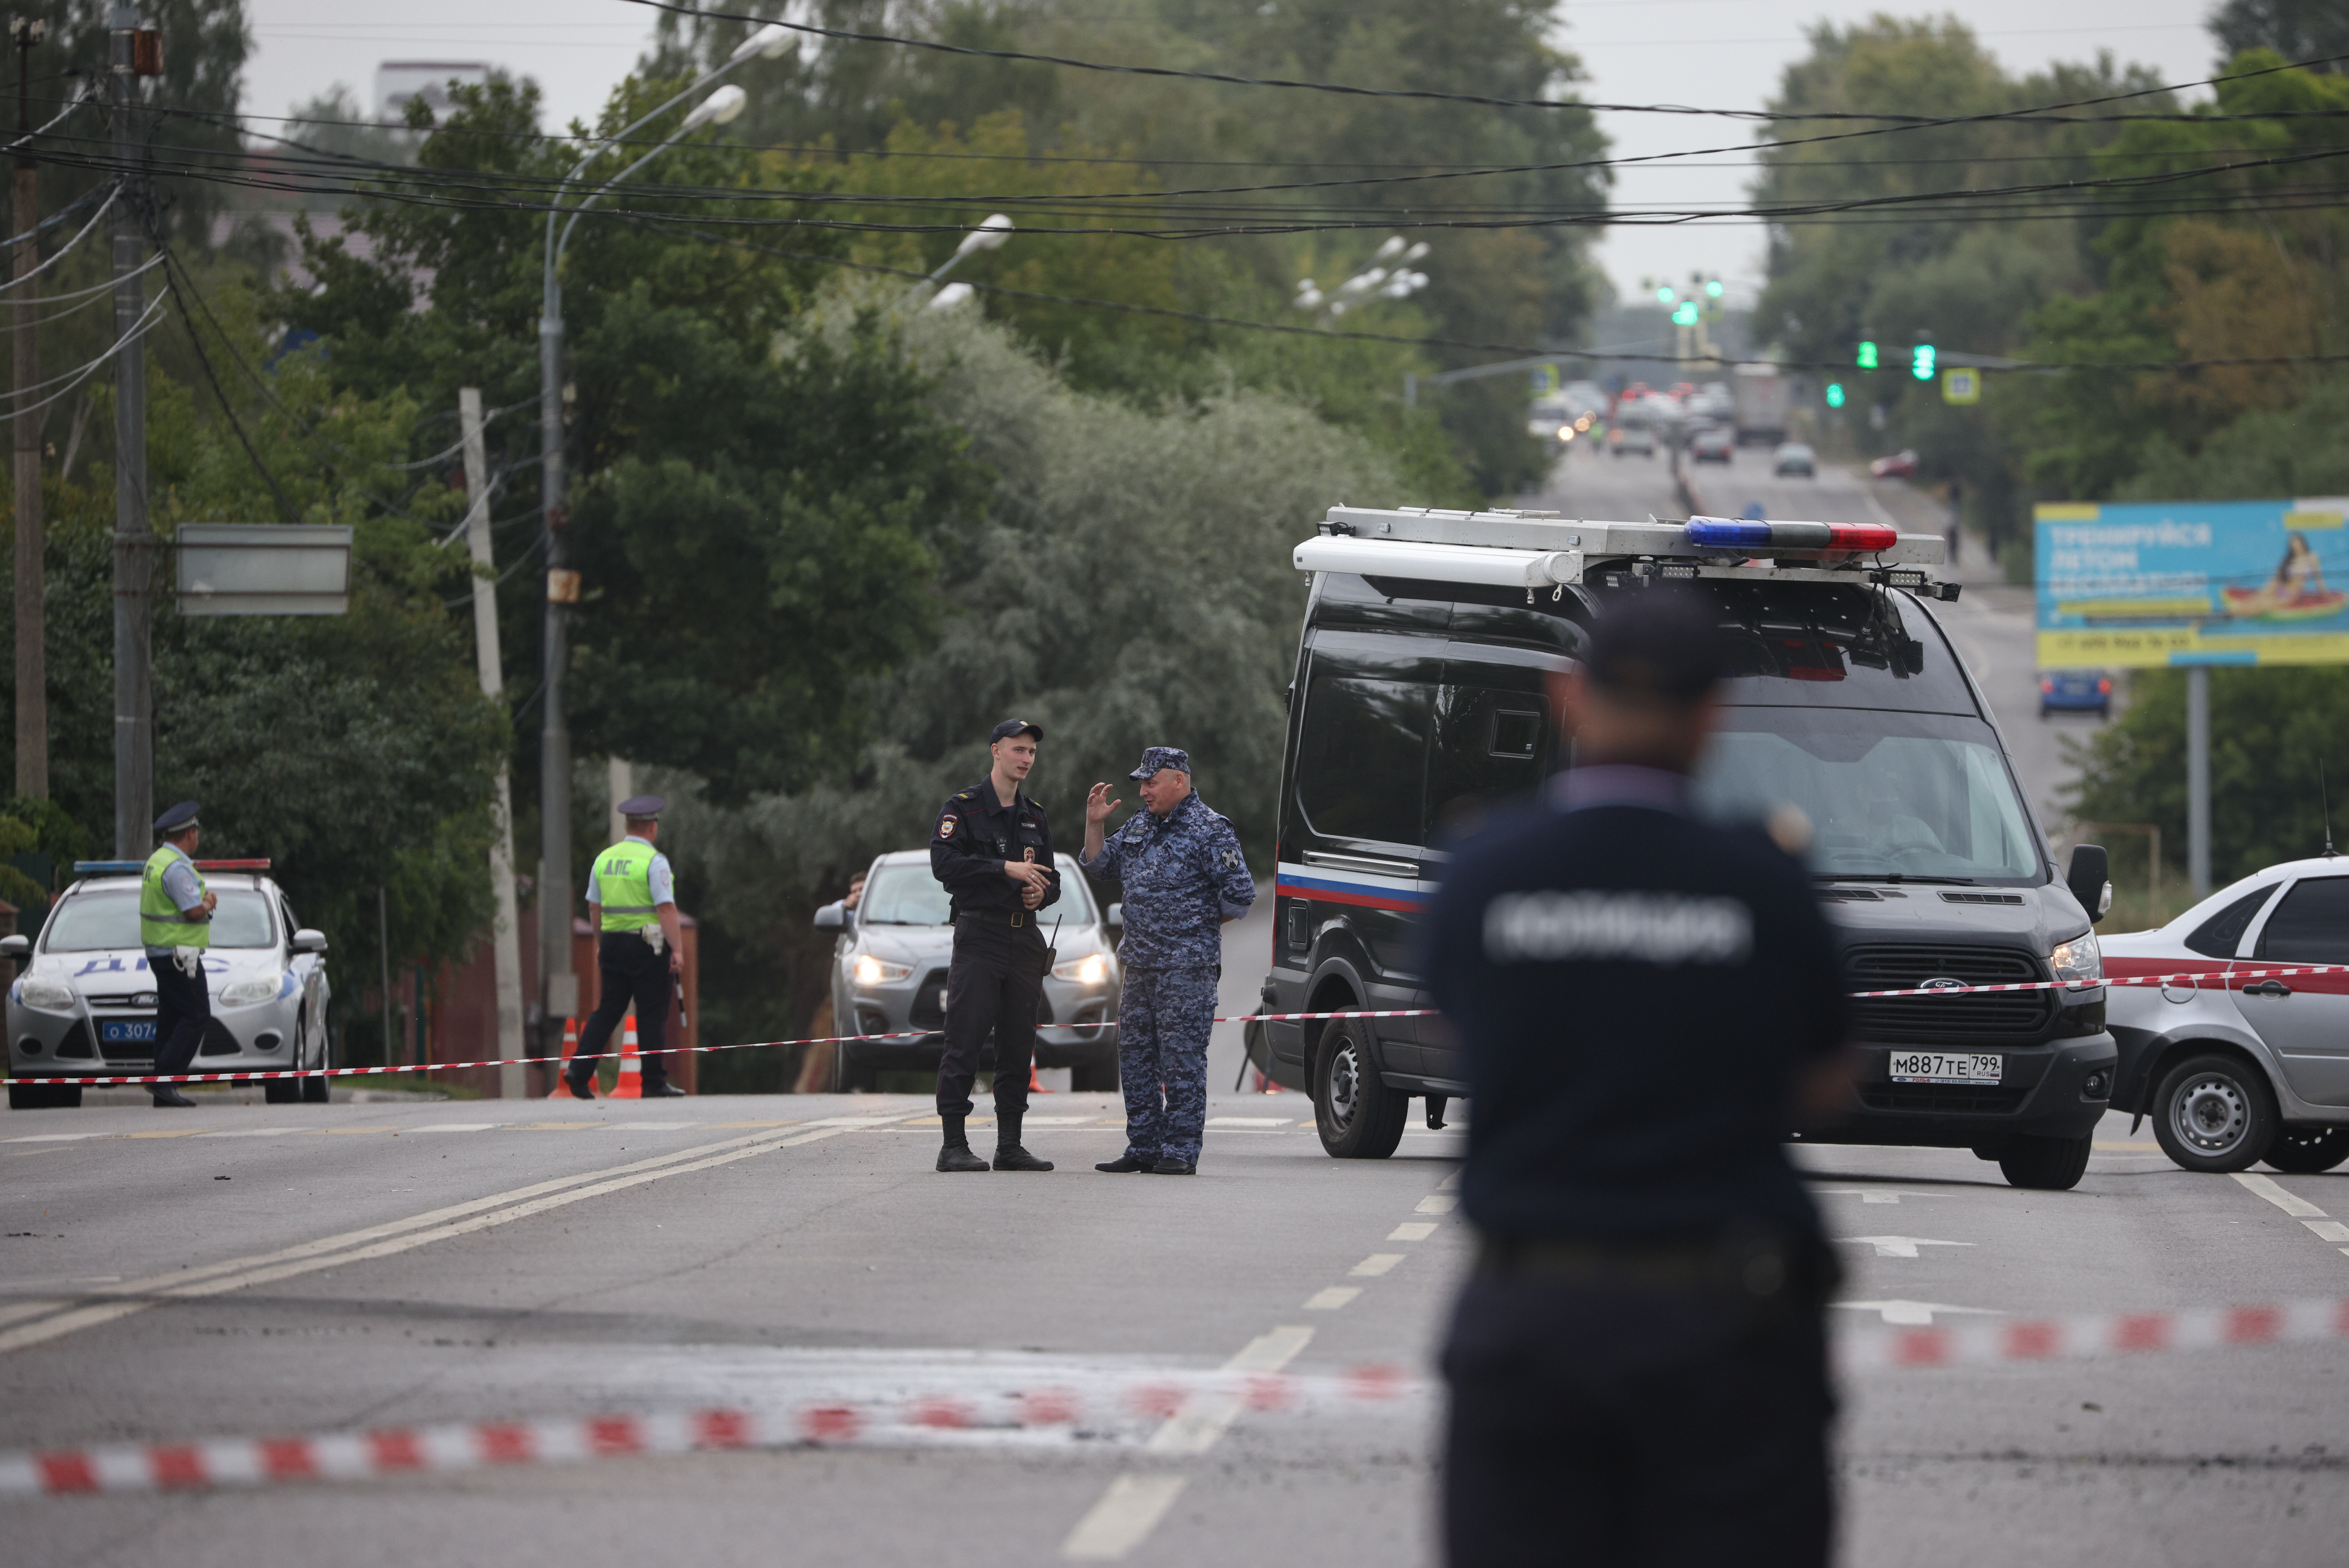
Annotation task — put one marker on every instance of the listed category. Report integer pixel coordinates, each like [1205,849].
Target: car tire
[850,1075]
[1095,1077]
[283,1090]
[2046,1164]
[2214,1114]
[2304,1151]
[39,1096]
[1358,1117]
[317,1089]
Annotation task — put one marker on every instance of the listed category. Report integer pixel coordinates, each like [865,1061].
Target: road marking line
[1411,1231]
[346,1132]
[255,1132]
[1249,1121]
[786,1122]
[1205,1418]
[1330,1298]
[51,1138]
[2298,1208]
[1867,1194]
[454,1126]
[391,1237]
[1376,1263]
[1898,1246]
[15,1311]
[1449,1184]
[1123,1518]
[646,1126]
[2330,1229]
[1434,1204]
[565,1127]
[1914,1315]
[187,1132]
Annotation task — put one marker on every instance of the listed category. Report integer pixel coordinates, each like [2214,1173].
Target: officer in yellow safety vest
[634,895]
[175,924]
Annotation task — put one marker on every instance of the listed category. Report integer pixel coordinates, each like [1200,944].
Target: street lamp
[561,987]
[992,231]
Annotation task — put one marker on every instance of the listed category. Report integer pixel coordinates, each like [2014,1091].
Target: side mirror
[306,941]
[1115,917]
[831,917]
[2089,880]
[19,948]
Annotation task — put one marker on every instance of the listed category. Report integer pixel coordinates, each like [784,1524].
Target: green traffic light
[1835,394]
[1664,296]
[1921,362]
[1866,358]
[1685,316]
[1713,288]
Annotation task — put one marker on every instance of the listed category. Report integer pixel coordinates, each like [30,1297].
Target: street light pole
[559,984]
[134,539]
[32,653]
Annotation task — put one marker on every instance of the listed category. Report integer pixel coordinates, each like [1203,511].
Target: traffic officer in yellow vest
[638,953]
[175,923]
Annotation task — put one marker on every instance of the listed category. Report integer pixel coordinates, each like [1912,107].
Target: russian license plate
[125,1031]
[1948,1067]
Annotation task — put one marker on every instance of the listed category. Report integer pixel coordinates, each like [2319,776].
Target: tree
[2295,29]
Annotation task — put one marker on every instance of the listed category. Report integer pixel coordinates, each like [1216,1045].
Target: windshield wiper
[1891,876]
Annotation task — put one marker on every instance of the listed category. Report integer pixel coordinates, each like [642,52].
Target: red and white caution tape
[2020,1339]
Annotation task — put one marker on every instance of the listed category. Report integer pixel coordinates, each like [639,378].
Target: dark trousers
[1610,1422]
[183,1006]
[631,975]
[992,987]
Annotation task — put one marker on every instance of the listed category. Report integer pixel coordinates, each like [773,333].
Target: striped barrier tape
[979,1411]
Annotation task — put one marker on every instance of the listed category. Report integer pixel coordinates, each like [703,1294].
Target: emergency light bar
[1785,539]
[132,867]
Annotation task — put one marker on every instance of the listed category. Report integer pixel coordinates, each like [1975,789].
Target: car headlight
[871,970]
[245,992]
[1091,970]
[45,994]
[2078,959]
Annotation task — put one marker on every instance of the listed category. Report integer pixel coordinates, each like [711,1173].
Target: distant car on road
[1713,444]
[83,1005]
[2075,691]
[1900,466]
[1794,457]
[1625,440]
[889,977]
[2230,1066]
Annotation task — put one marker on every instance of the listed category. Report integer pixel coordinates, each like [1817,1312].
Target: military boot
[955,1155]
[1009,1155]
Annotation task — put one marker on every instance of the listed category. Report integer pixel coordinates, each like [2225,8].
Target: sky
[1725,54]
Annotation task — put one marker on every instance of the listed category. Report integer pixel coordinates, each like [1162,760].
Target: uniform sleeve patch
[947,826]
[1231,859]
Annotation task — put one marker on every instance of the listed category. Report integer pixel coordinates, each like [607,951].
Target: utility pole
[134,538]
[559,983]
[32,636]
[506,941]
[2198,779]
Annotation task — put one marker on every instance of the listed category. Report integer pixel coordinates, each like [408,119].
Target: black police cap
[641,807]
[179,818]
[1010,727]
[1662,643]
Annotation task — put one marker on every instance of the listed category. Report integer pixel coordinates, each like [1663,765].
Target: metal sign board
[2193,582]
[263,568]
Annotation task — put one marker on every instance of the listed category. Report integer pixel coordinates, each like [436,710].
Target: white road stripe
[2330,1229]
[2290,1203]
[1898,1246]
[1205,1418]
[1123,1518]
[1434,1204]
[1330,1298]
[1376,1263]
[1411,1231]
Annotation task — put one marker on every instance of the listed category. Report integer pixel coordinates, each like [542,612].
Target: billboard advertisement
[2193,582]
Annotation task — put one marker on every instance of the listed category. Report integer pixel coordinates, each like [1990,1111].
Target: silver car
[84,1006]
[889,976]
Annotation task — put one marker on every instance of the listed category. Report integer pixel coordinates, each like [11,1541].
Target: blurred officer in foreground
[1184,877]
[993,850]
[639,952]
[175,923]
[1648,1003]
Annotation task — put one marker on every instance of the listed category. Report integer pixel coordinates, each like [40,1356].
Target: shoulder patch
[1231,859]
[947,826]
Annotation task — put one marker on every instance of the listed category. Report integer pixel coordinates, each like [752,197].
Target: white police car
[83,1005]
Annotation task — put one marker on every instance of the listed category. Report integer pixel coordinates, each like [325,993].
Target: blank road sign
[263,568]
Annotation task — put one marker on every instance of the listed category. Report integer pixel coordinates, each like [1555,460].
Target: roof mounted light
[1789,538]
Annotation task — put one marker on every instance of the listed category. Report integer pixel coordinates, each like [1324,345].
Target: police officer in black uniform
[993,850]
[1647,1002]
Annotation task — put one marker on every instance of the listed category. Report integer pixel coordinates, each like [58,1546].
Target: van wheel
[2046,1164]
[2214,1114]
[2304,1151]
[1358,1117]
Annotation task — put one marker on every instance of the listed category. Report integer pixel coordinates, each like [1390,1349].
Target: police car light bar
[1481,564]
[1790,538]
[132,867]
[231,865]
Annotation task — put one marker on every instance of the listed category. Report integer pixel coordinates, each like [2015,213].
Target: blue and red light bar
[1789,538]
[131,868]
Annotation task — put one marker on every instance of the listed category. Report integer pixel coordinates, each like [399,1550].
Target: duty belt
[1755,1265]
[1014,919]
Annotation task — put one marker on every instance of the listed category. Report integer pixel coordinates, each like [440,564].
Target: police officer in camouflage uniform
[1184,876]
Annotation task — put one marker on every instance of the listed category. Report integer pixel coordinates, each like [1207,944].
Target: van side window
[2312,924]
[1361,758]
[1491,746]
[2218,936]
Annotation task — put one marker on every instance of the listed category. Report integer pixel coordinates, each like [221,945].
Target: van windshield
[1889,795]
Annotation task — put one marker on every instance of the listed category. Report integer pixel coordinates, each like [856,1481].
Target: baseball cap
[1010,727]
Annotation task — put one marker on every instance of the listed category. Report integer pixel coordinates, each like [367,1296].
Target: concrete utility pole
[134,539]
[32,636]
[2198,779]
[506,942]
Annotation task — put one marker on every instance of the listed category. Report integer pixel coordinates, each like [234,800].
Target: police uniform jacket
[976,835]
[1182,874]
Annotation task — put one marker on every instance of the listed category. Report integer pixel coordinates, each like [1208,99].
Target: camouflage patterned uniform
[1182,874]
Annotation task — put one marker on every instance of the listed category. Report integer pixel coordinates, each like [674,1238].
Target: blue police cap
[1158,757]
[1010,727]
[637,807]
[179,818]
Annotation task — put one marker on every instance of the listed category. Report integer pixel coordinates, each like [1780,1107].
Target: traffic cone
[1034,1086]
[561,1090]
[631,1085]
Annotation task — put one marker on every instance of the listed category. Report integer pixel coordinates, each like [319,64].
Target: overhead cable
[112,193]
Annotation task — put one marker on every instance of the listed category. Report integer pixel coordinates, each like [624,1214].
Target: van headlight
[50,995]
[2078,959]
[246,993]
[871,970]
[1091,970]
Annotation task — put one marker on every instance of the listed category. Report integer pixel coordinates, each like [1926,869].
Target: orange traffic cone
[561,1090]
[1034,1086]
[631,1085]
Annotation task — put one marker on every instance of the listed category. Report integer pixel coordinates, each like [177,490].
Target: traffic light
[1685,313]
[1664,294]
[1835,394]
[1921,361]
[1865,359]
[1713,288]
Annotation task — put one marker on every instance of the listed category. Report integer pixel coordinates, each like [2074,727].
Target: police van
[1418,703]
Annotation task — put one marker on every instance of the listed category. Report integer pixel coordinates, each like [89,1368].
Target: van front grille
[2012,1015]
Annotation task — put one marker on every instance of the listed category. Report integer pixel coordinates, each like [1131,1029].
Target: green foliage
[35,833]
[2295,29]
[2295,450]
[2269,728]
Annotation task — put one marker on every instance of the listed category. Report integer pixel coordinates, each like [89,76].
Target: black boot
[165,1094]
[955,1155]
[1009,1155]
